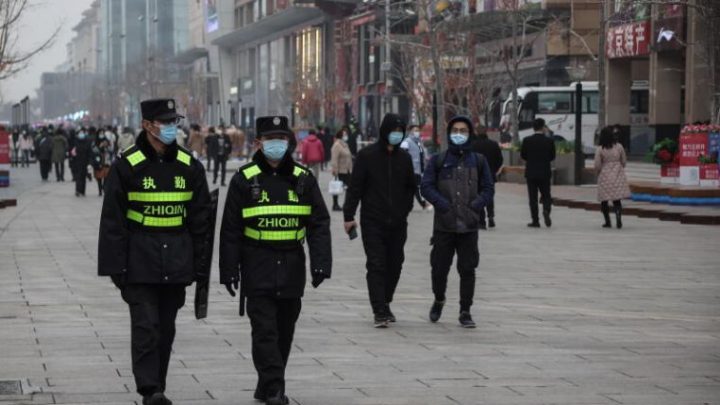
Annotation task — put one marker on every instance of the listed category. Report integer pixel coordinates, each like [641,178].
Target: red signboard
[628,40]
[709,172]
[669,170]
[4,147]
[691,147]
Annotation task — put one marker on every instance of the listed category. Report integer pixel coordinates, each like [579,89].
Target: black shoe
[546,217]
[482,226]
[277,399]
[491,222]
[337,208]
[157,398]
[534,225]
[436,310]
[380,321]
[466,320]
[389,315]
[618,218]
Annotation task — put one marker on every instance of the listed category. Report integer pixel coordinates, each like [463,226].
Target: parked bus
[556,105]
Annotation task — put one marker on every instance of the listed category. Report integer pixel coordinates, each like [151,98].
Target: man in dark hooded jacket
[458,182]
[383,182]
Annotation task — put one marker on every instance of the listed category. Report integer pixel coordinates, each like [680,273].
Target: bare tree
[12,59]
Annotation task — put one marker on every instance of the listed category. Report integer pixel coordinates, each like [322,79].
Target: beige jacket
[341,158]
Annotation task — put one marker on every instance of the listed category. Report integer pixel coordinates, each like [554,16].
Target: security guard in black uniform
[154,215]
[273,205]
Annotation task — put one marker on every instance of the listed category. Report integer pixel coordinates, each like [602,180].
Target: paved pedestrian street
[575,314]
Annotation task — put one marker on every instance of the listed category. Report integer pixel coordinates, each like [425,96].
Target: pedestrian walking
[383,183]
[313,153]
[459,183]
[341,162]
[82,153]
[154,218]
[59,152]
[43,152]
[355,136]
[538,151]
[413,145]
[610,160]
[126,139]
[328,140]
[224,149]
[101,160]
[493,155]
[26,147]
[196,141]
[15,139]
[211,147]
[273,206]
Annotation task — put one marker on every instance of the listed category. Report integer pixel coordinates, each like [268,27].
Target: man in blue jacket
[459,183]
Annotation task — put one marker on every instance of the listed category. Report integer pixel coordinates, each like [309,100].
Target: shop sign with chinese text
[629,40]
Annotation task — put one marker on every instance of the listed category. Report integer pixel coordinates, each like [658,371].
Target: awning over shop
[269,26]
[190,55]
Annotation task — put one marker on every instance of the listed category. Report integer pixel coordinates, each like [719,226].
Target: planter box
[709,176]
[512,158]
[564,168]
[669,173]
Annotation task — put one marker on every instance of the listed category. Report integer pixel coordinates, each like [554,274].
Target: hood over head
[468,121]
[389,123]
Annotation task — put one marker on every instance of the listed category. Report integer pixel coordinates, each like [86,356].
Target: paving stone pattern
[575,315]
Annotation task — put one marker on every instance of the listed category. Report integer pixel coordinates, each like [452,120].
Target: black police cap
[159,109]
[272,125]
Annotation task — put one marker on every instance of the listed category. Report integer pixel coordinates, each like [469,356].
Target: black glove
[119,280]
[231,287]
[317,278]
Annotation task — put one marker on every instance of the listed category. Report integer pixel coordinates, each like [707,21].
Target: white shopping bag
[336,187]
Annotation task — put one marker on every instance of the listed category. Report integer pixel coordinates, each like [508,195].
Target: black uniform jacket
[266,267]
[164,252]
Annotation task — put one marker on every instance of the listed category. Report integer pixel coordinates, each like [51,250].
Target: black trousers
[80,179]
[60,171]
[273,327]
[385,253]
[489,209]
[45,167]
[153,309]
[543,186]
[221,164]
[444,246]
[418,196]
[345,178]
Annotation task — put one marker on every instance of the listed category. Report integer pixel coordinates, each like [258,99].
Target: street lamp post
[577,74]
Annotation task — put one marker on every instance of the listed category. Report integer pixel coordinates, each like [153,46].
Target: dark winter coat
[382,182]
[59,148]
[538,151]
[491,151]
[146,254]
[265,267]
[44,147]
[459,186]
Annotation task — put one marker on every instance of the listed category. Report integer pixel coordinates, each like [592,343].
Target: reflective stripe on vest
[135,157]
[154,221]
[298,171]
[254,170]
[276,210]
[183,157]
[275,235]
[251,171]
[160,196]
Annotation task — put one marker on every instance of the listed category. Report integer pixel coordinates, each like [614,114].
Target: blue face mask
[168,133]
[82,135]
[275,149]
[458,138]
[395,137]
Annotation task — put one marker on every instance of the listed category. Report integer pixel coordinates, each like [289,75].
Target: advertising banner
[691,147]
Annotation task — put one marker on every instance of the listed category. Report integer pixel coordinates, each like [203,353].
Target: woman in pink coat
[612,184]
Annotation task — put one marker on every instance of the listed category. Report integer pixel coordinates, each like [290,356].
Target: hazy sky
[38,23]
